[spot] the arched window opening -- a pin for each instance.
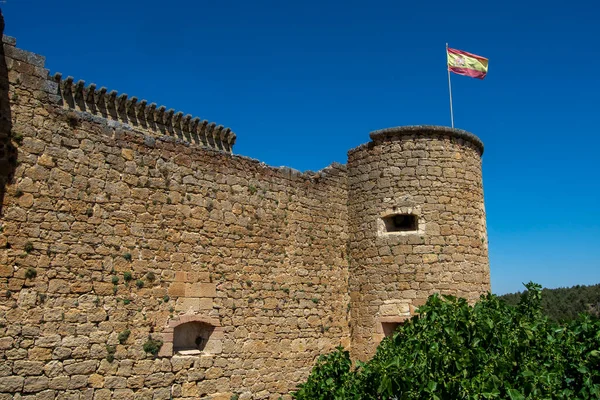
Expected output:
(191, 337)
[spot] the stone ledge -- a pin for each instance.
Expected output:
(425, 130)
(9, 40)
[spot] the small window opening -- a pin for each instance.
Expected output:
(390, 327)
(191, 337)
(401, 223)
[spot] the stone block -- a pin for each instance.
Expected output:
(96, 381)
(27, 368)
(78, 381)
(177, 289)
(11, 384)
(40, 354)
(115, 382)
(34, 384)
(166, 350)
(187, 304)
(81, 368)
(103, 394)
(180, 276)
(206, 304)
(201, 290)
(6, 271)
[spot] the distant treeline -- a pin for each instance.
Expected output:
(564, 304)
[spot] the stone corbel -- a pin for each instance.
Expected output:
(130, 106)
(122, 102)
(169, 116)
(194, 125)
(185, 126)
(79, 88)
(68, 85)
(159, 114)
(99, 95)
(141, 108)
(151, 112)
(89, 93)
(177, 119)
(112, 96)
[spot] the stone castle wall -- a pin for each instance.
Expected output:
(123, 224)
(256, 252)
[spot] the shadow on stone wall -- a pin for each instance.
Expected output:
(8, 152)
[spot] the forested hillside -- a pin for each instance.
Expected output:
(564, 304)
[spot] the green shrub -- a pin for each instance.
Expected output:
(17, 137)
(30, 273)
(152, 346)
(331, 378)
(28, 247)
(127, 276)
(139, 283)
(123, 336)
(110, 353)
(115, 279)
(455, 351)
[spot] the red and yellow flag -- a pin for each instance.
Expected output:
(463, 63)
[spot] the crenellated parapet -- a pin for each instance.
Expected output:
(139, 114)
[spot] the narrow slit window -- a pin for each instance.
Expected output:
(401, 223)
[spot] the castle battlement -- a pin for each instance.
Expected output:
(111, 105)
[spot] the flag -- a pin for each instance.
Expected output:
(463, 63)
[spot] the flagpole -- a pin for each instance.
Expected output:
(450, 89)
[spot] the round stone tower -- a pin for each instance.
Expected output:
(416, 224)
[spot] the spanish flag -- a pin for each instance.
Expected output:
(463, 63)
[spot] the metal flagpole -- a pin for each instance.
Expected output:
(450, 88)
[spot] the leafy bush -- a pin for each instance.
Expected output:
(30, 273)
(123, 336)
(331, 378)
(455, 351)
(152, 346)
(110, 353)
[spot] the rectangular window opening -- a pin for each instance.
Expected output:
(401, 223)
(390, 327)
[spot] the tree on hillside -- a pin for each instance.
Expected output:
(565, 304)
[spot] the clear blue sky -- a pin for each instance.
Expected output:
(301, 82)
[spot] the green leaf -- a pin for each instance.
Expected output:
(514, 394)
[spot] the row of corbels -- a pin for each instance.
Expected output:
(141, 109)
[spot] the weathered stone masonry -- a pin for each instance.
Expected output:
(123, 222)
